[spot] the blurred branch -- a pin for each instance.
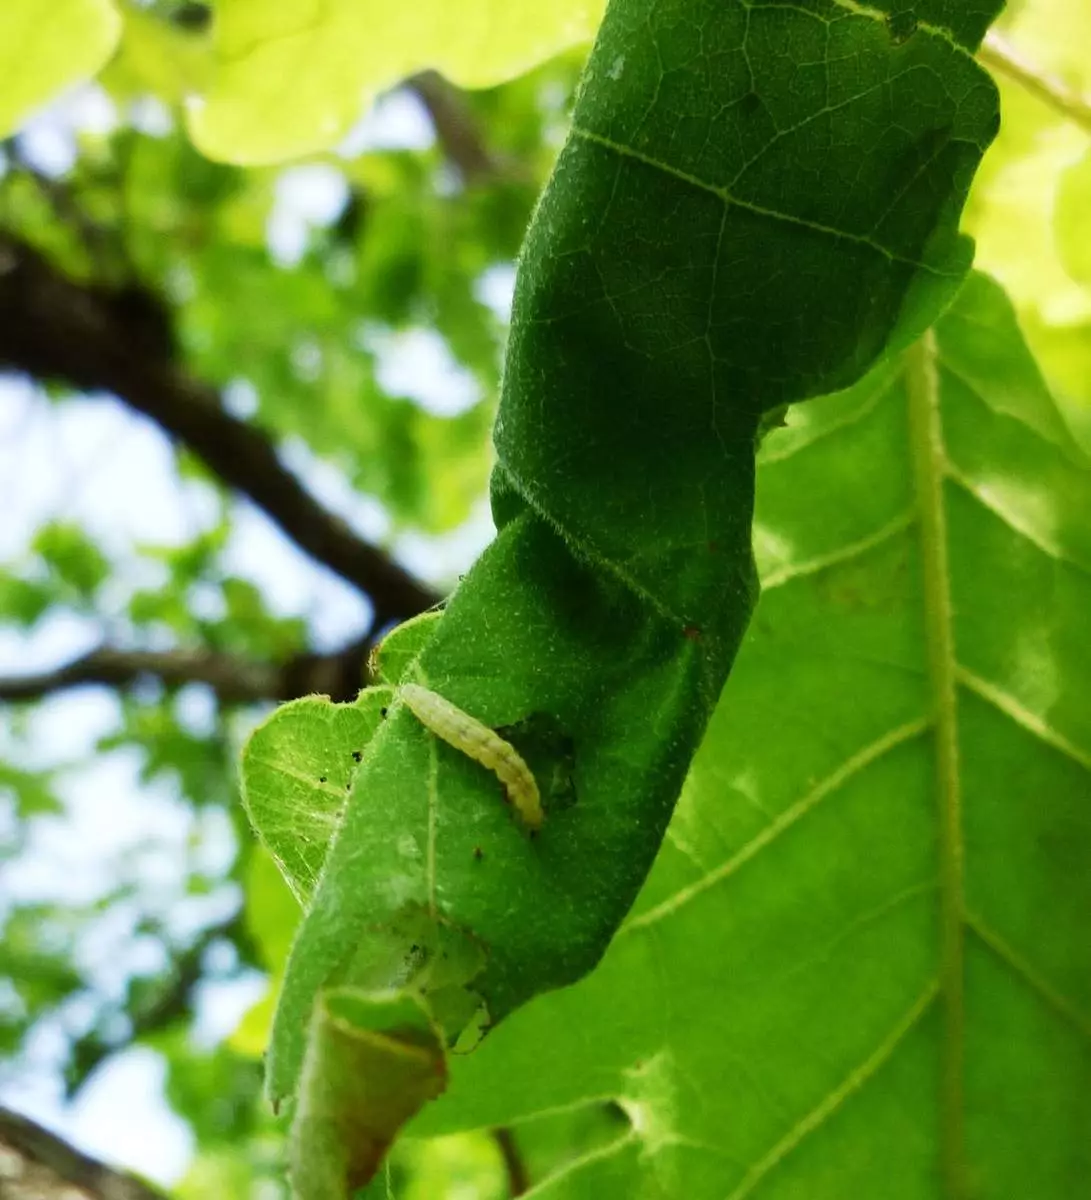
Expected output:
(235, 680)
(38, 1165)
(516, 1169)
(999, 54)
(456, 130)
(53, 327)
(172, 1000)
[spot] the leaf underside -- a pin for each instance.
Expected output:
(755, 204)
(888, 1027)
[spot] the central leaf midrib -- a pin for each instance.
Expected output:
(928, 457)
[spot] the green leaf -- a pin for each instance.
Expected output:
(361, 1081)
(272, 909)
(23, 601)
(199, 1073)
(755, 204)
(41, 969)
(1064, 353)
(467, 1164)
(874, 923)
(31, 794)
(392, 658)
(44, 49)
(340, 55)
(159, 58)
(72, 557)
(297, 770)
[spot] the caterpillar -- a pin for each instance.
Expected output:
(482, 744)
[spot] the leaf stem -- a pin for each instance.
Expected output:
(516, 1169)
(926, 443)
(1001, 56)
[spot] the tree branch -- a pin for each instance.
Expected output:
(456, 129)
(235, 680)
(514, 1166)
(169, 999)
(999, 54)
(52, 327)
(38, 1165)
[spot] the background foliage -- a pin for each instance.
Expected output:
(271, 320)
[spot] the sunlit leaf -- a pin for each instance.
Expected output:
(47, 47)
(293, 76)
(157, 58)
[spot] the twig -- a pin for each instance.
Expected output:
(998, 53)
(456, 129)
(235, 680)
(55, 328)
(518, 1178)
(171, 1001)
(232, 679)
(36, 1164)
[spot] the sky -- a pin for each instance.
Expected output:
(89, 457)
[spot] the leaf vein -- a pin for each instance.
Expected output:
(759, 210)
(1004, 513)
(929, 458)
(585, 552)
(600, 1154)
(842, 554)
(851, 1084)
(1030, 721)
(789, 817)
(1037, 983)
(281, 768)
(858, 414)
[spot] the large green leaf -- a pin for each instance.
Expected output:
(292, 76)
(860, 966)
(756, 202)
(46, 47)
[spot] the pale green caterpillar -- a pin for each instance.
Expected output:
(480, 743)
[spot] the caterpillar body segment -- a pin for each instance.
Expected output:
(482, 744)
